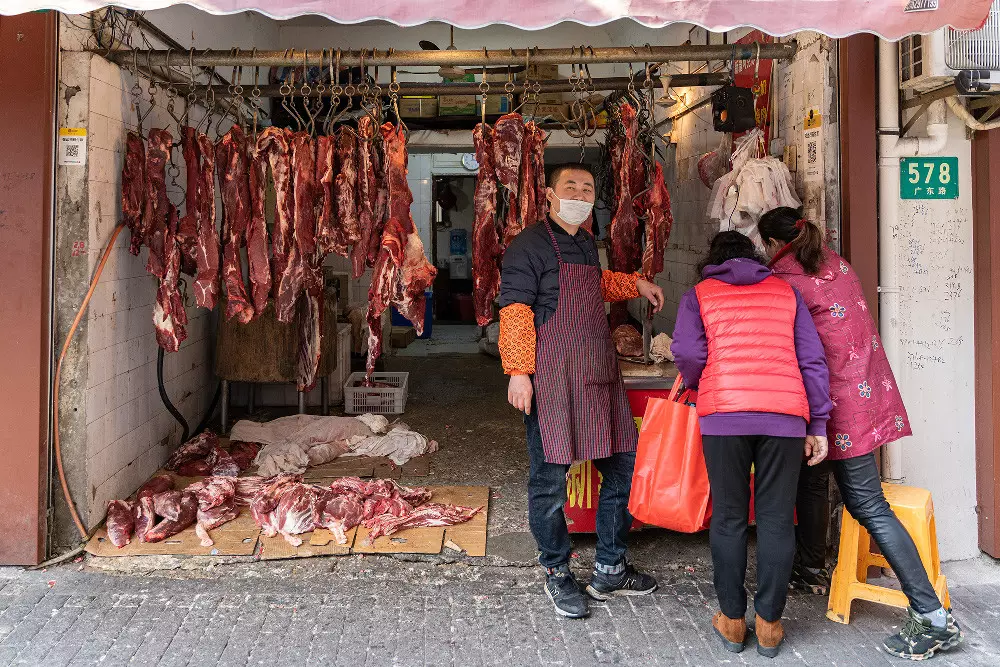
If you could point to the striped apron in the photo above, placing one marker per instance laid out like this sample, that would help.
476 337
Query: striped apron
583 411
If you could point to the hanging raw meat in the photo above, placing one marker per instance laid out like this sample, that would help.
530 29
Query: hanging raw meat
366 197
257 247
206 284
526 198
169 314
485 239
187 228
347 231
299 267
538 165
659 220
402 272
326 233
134 190
156 209
508 138
275 144
624 255
232 159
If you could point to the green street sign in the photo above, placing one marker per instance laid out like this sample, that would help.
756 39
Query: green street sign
928 178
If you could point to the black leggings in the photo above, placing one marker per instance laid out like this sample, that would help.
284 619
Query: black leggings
861 488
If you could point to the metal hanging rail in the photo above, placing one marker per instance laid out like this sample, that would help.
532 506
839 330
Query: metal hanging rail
496 89
459 58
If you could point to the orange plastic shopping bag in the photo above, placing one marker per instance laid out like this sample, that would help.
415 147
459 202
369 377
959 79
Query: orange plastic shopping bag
670 483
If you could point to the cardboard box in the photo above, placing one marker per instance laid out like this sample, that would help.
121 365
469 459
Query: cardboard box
418 107
541 72
456 105
550 98
403 336
542 110
498 104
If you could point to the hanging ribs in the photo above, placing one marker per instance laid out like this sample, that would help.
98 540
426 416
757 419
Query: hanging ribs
257 248
659 220
508 137
134 190
275 144
187 228
402 272
206 284
233 162
367 197
156 210
169 315
347 231
485 239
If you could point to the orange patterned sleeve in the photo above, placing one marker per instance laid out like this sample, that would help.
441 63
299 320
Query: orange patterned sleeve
517 339
619 286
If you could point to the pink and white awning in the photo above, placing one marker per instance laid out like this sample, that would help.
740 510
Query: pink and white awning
890 19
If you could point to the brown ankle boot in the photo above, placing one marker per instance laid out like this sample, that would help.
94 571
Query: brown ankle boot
770 634
732 631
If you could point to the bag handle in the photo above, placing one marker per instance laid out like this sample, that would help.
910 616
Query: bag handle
678 384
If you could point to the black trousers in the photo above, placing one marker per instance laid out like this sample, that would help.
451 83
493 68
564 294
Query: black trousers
776 463
861 488
812 506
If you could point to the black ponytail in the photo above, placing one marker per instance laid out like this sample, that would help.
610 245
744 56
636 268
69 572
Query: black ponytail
729 245
787 225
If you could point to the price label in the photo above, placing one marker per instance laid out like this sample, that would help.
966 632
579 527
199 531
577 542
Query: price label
928 178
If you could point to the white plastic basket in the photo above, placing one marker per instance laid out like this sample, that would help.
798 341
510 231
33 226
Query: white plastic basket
389 400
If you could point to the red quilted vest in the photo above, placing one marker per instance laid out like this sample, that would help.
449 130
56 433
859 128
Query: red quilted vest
752 365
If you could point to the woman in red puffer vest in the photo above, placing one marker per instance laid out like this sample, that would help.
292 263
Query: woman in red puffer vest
745 340
867 413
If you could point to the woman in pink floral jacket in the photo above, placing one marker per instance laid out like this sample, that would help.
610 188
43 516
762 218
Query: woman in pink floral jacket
867 413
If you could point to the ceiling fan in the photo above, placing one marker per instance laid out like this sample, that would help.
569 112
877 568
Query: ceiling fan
453 72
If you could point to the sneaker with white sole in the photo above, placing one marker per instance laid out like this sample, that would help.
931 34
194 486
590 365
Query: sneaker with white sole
627 582
564 591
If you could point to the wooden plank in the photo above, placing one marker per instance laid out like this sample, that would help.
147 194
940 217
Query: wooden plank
313 544
345 466
664 370
409 541
471 536
418 467
236 538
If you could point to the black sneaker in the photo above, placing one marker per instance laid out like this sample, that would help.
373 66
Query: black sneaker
817 583
564 591
627 582
920 640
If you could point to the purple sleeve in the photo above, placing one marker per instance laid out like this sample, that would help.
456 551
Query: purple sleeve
690 346
812 364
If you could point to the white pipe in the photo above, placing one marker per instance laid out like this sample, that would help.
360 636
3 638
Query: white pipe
970 121
890 148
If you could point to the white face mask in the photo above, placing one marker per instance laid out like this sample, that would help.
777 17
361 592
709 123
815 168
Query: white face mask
574 211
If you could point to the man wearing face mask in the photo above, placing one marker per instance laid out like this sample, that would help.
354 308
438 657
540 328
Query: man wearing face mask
556 346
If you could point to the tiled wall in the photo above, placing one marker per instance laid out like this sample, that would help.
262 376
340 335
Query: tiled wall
129 431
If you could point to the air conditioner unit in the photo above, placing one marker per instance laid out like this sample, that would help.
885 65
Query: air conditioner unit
928 62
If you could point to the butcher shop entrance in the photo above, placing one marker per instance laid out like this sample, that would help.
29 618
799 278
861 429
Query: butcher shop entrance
269 232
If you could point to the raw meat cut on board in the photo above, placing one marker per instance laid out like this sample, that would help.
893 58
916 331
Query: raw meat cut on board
144 514
243 453
134 196
337 513
197 447
167 504
222 463
156 211
628 341
367 197
294 513
659 221
257 246
485 238
247 489
266 501
508 139
431 514
187 513
274 144
121 522
213 491
206 284
402 272
326 233
233 164
169 314
347 231
187 228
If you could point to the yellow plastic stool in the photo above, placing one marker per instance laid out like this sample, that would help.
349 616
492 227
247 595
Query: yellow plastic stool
915 510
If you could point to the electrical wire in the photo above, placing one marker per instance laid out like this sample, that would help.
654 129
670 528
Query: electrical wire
55 383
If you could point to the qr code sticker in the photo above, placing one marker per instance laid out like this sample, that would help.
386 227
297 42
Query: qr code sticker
73 150
811 152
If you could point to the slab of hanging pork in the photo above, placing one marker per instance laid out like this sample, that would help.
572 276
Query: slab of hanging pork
299 269
402 272
508 141
169 313
156 211
134 196
659 221
347 231
232 158
256 233
206 284
366 196
274 145
187 227
486 249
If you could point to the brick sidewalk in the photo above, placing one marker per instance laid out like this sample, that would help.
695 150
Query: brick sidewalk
384 612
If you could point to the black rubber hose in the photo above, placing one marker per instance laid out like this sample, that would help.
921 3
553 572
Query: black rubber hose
166 399
211 411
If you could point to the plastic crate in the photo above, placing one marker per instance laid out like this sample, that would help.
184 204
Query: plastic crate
376 400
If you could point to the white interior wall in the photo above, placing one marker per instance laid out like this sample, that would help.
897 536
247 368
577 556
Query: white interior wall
936 373
129 432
